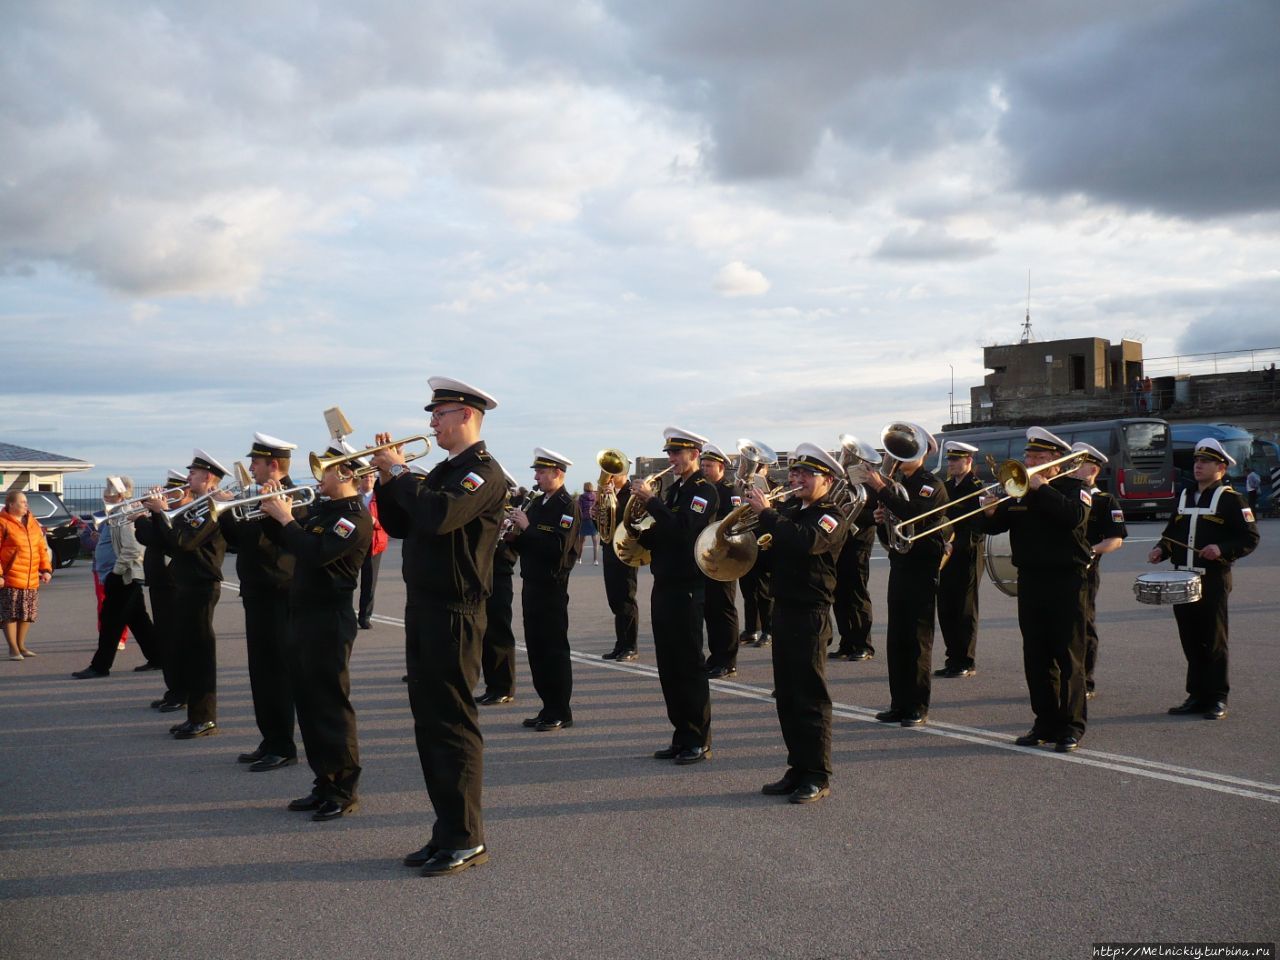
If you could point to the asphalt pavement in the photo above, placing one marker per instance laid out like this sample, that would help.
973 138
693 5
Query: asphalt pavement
943 841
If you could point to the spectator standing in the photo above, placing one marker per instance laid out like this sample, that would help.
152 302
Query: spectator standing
1252 486
26 565
372 561
104 550
586 510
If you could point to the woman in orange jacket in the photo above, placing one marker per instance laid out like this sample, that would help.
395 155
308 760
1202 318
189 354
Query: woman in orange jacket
25 565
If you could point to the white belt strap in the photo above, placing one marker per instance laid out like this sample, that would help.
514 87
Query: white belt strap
1195 513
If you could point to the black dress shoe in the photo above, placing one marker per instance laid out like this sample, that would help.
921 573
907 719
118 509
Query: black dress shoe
626 656
951 673
495 699
941 673
748 638
890 716
252 757
764 641
157 704
916 718
780 788
1031 739
190 730
146 666
719 673
840 655
667 753
862 653
1190 705
446 862
545 725
364 625
180 726
1215 711
271 761
1066 745
171 706
311 801
331 809
1090 694
693 755
531 722
809 792
611 655
89 673
419 857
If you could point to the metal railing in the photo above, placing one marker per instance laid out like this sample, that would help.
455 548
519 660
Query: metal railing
1222 361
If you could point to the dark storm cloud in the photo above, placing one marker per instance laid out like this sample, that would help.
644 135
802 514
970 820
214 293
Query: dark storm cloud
1177 112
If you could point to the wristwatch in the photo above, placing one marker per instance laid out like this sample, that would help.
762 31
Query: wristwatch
397 469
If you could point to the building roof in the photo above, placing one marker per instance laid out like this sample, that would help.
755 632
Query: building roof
14 457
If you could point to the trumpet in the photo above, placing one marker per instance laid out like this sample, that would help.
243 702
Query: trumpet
127 511
320 464
1014 478
728 548
613 463
626 538
245 509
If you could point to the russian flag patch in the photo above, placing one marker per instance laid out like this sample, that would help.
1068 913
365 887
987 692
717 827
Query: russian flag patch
698 504
566 521
1086 498
828 523
472 482
344 528
926 491
1117 516
1247 514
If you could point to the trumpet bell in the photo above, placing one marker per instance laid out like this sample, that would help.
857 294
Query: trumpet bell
725 558
905 441
613 462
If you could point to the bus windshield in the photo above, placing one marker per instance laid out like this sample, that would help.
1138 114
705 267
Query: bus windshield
1146 439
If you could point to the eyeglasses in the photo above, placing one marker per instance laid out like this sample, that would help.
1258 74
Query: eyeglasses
437 414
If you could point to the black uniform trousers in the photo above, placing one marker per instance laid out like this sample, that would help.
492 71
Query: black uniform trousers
757 598
1090 624
266 633
851 604
913 592
196 647
676 609
958 606
163 639
545 605
800 638
321 636
1202 628
368 584
720 611
620 590
498 653
1051 615
122 606
442 653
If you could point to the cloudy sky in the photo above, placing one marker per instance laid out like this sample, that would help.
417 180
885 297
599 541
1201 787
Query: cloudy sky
750 218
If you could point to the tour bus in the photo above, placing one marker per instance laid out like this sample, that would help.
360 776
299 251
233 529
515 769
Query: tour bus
1140 471
1237 441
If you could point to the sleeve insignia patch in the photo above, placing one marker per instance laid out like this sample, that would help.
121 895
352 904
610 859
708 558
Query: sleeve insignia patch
472 482
566 521
1085 498
344 528
828 523
698 504
1117 516
736 500
1247 514
927 491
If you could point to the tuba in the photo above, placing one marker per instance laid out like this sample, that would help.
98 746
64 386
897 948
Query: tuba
855 458
613 464
902 442
727 549
626 537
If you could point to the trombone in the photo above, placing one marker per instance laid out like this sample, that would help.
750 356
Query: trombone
626 538
1014 478
320 464
245 509
728 548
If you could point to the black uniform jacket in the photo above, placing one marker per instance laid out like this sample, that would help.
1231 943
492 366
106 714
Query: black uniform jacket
967 532
678 517
806 543
329 544
194 542
155 560
1232 528
1047 526
548 547
261 564
728 498
449 522
924 492
862 525
1106 519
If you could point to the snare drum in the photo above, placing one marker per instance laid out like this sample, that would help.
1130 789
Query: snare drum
999 563
1168 586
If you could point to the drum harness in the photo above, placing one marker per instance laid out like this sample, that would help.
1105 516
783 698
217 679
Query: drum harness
1195 513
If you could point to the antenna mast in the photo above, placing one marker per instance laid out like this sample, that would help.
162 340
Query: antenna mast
1027 336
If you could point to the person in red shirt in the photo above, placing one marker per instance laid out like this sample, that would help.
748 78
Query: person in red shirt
369 571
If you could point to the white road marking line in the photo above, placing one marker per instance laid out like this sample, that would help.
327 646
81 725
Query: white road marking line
1137 766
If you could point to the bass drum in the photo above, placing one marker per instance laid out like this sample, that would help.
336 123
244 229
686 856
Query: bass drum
1000 566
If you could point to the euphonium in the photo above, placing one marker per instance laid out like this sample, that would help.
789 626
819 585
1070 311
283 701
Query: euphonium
902 442
626 542
726 549
613 463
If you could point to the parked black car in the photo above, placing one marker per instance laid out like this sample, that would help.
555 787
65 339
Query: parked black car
61 529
